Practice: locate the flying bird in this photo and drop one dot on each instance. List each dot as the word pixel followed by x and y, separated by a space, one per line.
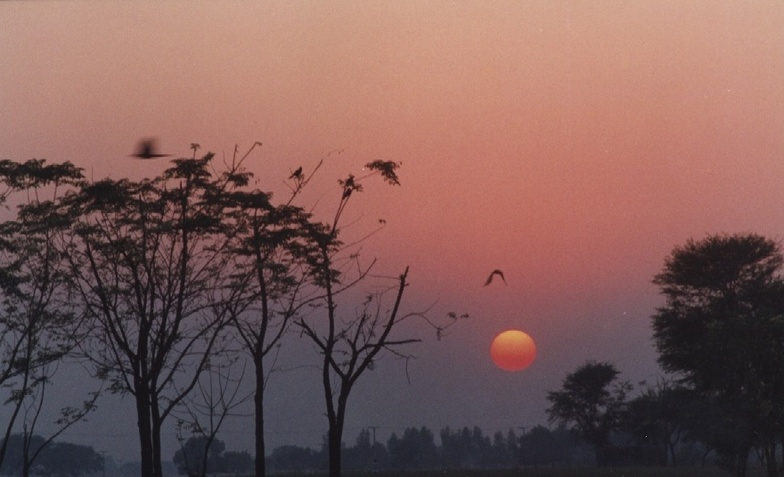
pixel 146 150
pixel 494 273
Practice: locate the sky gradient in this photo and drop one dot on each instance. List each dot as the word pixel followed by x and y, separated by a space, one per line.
pixel 570 144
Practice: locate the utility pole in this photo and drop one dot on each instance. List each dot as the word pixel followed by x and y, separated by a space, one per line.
pixel 373 456
pixel 373 428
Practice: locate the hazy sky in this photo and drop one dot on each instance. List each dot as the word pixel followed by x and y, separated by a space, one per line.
pixel 570 144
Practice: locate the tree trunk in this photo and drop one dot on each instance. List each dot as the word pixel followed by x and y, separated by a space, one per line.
pixel 771 461
pixel 145 430
pixel 26 439
pixel 334 448
pixel 156 440
pixel 742 463
pixel 258 401
pixel 336 424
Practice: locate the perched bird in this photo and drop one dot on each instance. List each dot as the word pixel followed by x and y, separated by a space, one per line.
pixel 146 150
pixel 348 186
pixel 494 273
pixel 296 174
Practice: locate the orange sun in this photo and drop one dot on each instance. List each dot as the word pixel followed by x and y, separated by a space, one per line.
pixel 513 350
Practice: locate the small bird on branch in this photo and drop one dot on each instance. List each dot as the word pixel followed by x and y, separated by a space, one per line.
pixel 296 174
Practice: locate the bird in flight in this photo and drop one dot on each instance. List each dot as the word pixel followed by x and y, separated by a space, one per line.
pixel 146 150
pixel 493 274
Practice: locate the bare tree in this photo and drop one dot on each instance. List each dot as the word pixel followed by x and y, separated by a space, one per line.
pixel 350 342
pixel 216 397
pixel 147 261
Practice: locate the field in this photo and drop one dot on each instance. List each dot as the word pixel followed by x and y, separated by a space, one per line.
pixel 554 472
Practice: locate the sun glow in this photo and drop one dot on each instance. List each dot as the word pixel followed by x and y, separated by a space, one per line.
pixel 513 350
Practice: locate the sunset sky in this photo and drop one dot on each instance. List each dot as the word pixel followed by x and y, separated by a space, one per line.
pixel 570 144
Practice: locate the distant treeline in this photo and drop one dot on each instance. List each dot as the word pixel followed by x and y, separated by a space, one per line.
pixel 52 458
pixel 470 448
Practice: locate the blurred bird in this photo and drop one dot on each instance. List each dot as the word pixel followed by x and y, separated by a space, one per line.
pixel 296 174
pixel 146 150
pixel 494 273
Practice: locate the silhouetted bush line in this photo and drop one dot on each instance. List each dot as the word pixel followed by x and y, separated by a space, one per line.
pixel 463 449
pixel 543 472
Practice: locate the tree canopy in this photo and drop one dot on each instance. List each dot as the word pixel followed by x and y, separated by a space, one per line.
pixel 591 401
pixel 721 332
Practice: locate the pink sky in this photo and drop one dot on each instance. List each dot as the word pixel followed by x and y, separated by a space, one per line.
pixel 571 144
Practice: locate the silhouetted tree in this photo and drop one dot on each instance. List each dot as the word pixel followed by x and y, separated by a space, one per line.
pixel 147 261
pixel 722 333
pixel 543 446
pixel 591 401
pixel 349 342
pixel 272 252
pixel 15 445
pixel 38 327
pixel 295 459
pixel 659 417
pixel 365 455
pixel 415 449
pixel 465 448
pixel 237 463
pixel 53 459
pixel 513 448
pixel 64 459
pixel 500 456
pixel 199 455
pixel 214 399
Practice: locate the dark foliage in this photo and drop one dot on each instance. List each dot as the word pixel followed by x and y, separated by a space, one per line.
pixel 57 459
pixel 722 333
pixel 592 401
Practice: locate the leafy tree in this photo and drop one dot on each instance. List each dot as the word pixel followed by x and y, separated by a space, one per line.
pixel 504 451
pixel 591 400
pixel 237 463
pixel 365 455
pixel 721 332
pixel 147 260
pixel 57 459
pixel 15 445
pixel 199 455
pixel 64 459
pixel 543 446
pixel 271 256
pixel 660 417
pixel 38 327
pixel 295 459
pixel 465 448
pixel 415 449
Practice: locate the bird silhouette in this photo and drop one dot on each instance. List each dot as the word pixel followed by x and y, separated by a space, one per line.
pixel 146 150
pixel 296 174
pixel 493 274
pixel 348 186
